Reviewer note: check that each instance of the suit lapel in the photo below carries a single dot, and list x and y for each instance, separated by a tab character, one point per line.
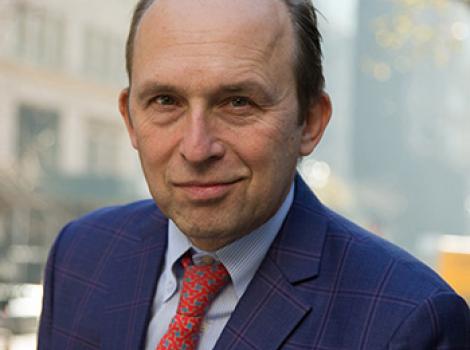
272	308
136	269
266	314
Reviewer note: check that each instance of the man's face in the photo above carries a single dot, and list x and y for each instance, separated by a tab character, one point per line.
213	114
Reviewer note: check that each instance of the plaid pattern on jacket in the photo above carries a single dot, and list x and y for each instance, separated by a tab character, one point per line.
325	284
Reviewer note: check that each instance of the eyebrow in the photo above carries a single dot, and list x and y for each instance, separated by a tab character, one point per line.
244	86
152	88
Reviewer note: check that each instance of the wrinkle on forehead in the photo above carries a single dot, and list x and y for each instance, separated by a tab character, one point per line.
262	25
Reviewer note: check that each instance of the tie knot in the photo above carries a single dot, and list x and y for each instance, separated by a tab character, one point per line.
201	284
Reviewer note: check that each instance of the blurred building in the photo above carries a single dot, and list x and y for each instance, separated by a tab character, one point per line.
398	144
63	146
338	27
410	153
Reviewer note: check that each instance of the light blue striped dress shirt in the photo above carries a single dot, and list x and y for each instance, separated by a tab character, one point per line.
241	259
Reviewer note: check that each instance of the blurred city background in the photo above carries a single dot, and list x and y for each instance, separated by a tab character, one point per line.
396	156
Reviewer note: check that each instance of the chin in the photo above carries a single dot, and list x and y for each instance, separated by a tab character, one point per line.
197	230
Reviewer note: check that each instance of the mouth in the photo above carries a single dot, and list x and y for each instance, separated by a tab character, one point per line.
204	191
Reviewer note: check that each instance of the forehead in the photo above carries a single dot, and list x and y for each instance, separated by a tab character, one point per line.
261	28
215	14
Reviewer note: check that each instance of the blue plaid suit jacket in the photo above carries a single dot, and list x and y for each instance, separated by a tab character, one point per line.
324	284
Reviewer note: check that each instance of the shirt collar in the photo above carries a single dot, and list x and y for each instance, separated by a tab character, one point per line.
242	257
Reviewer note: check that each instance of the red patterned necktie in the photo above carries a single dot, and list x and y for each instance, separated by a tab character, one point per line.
201	283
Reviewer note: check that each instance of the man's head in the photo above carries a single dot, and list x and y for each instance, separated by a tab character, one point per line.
213	112
308	62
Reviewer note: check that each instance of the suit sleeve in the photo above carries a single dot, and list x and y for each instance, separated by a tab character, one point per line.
46	321
441	322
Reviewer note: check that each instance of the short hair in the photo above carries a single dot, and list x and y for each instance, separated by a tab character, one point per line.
308	69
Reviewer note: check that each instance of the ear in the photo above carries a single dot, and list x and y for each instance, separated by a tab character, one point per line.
315	124
124	108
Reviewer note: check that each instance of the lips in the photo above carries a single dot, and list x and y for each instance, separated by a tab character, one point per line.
205	191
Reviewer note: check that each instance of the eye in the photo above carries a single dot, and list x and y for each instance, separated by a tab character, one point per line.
165	100
240	101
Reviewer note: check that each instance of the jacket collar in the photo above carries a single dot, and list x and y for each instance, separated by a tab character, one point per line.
271	298
135	271
298	248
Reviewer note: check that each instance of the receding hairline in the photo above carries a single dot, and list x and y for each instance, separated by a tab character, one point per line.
144	10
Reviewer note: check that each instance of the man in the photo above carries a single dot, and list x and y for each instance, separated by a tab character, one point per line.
224	98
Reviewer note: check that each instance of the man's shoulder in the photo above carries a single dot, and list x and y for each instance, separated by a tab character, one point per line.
375	264
118	215
122	224
371	291
357	262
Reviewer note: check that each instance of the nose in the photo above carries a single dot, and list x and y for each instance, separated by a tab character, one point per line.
200	143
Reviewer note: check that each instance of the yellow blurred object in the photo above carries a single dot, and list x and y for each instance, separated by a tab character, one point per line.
454	263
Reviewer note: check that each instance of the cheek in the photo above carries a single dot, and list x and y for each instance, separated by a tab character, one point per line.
251	145
276	140
266	151
156	146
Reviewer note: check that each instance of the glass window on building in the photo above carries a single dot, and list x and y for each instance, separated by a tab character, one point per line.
103	148
102	56
6	272
40	36
3	226
38	234
117	62
94	60
37	149
54	30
